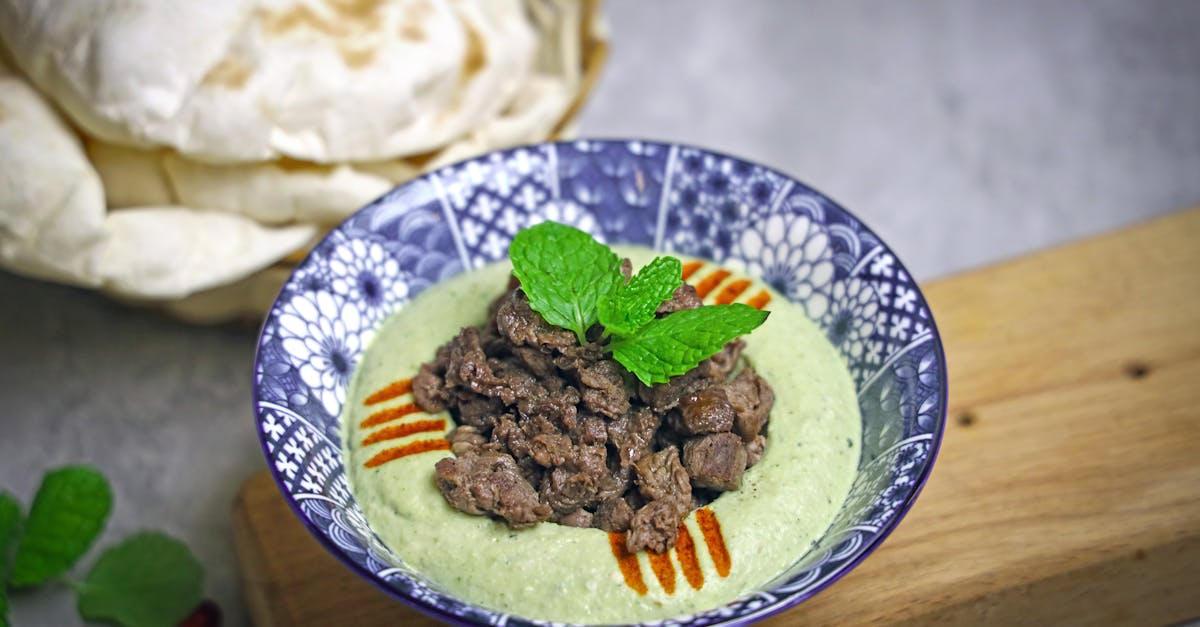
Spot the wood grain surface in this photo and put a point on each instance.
(1067, 490)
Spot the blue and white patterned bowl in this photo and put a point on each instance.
(672, 197)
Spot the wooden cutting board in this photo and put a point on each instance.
(1067, 490)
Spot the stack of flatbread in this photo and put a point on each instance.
(177, 151)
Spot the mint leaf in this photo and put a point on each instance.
(149, 580)
(67, 514)
(10, 529)
(565, 273)
(631, 305)
(672, 345)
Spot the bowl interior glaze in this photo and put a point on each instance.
(671, 197)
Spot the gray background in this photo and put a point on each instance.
(963, 132)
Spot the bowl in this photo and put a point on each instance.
(675, 198)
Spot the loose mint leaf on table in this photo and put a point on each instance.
(149, 580)
(68, 512)
(672, 345)
(565, 273)
(10, 528)
(632, 305)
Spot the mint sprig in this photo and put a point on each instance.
(632, 305)
(670, 346)
(565, 273)
(574, 282)
(67, 514)
(147, 580)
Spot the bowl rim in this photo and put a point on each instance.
(741, 619)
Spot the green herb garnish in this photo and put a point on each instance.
(575, 282)
(67, 514)
(148, 580)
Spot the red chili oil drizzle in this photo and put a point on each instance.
(628, 563)
(387, 393)
(398, 431)
(388, 415)
(711, 528)
(709, 282)
(759, 300)
(690, 268)
(685, 550)
(412, 448)
(730, 292)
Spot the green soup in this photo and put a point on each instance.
(557, 573)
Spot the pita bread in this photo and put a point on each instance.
(55, 225)
(321, 81)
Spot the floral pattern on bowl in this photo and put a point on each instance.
(672, 197)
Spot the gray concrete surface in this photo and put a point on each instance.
(964, 132)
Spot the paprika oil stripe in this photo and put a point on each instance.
(628, 563)
(398, 431)
(710, 281)
(685, 550)
(711, 528)
(388, 415)
(690, 268)
(663, 569)
(390, 391)
(730, 292)
(759, 300)
(412, 448)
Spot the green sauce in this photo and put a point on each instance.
(557, 573)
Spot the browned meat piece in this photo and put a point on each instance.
(510, 436)
(523, 326)
(632, 434)
(565, 491)
(662, 477)
(654, 527)
(536, 360)
(614, 515)
(626, 268)
(558, 407)
(429, 390)
(490, 483)
(725, 359)
(475, 410)
(604, 390)
(715, 461)
(706, 411)
(685, 297)
(577, 518)
(588, 429)
(663, 397)
(575, 358)
(550, 449)
(464, 439)
(755, 449)
(752, 399)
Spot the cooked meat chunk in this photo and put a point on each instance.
(551, 430)
(661, 477)
(685, 297)
(577, 518)
(464, 439)
(632, 434)
(752, 399)
(604, 389)
(614, 514)
(490, 483)
(523, 326)
(706, 411)
(654, 528)
(715, 461)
